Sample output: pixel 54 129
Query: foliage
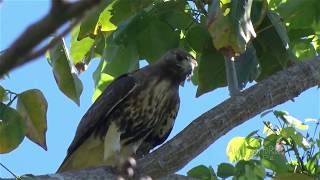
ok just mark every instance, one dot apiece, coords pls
pixel 28 119
pixel 285 151
pixel 264 35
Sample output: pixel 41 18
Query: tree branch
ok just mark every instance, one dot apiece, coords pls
pixel 210 126
pixel 213 124
pixel 98 174
pixel 61 12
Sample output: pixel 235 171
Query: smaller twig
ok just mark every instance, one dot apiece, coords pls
pixel 12 100
pixel 11 92
pixel 296 153
pixel 15 176
pixel 54 41
pixel 200 7
pixel 314 135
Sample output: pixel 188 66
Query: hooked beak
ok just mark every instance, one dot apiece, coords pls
pixel 193 65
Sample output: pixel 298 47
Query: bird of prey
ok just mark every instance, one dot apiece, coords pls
pixel 136 112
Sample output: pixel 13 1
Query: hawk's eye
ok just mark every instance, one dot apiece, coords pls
pixel 179 57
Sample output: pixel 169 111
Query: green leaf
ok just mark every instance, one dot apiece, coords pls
pixel 202 172
pixel 64 72
pixel 280 114
pixel 220 27
pixel 313 164
pixel 211 73
pixel 80 48
pixel 157 39
pixel 272 46
pixel 130 29
pixel 89 23
pixel 247 67
pixel 241 148
pixel 116 60
pixel 225 170
pixel 198 38
pixel 258 12
pixel 3 94
pixel 304 49
pixel 294 176
pixel 121 59
pixel 291 134
pixel 231 30
pixel 104 81
pixel 178 19
pixel 33 106
pixel 123 9
pixel 251 169
pixel 12 129
pixel 271 159
pixel 299 14
pixel 104 24
pixel 270 141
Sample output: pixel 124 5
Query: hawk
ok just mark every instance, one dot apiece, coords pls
pixel 135 113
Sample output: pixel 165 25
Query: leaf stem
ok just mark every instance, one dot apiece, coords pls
pixel 15 176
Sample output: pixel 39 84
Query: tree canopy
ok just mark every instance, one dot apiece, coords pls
pixel 260 37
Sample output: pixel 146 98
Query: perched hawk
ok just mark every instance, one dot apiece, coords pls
pixel 136 112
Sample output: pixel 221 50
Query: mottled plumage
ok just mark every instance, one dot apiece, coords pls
pixel 136 112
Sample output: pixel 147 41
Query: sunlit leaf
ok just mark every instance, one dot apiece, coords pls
pixel 104 23
pixel 104 81
pixel 12 129
pixel 240 148
pixel 89 23
pixel 268 128
pixel 33 106
pixel 116 60
pixel 64 72
pixel 294 122
pixel 80 48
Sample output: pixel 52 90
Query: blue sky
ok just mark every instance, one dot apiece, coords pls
pixel 63 115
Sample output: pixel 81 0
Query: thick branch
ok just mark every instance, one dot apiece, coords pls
pixel 97 174
pixel 60 13
pixel 210 126
pixel 213 124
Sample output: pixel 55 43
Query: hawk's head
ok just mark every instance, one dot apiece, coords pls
pixel 179 63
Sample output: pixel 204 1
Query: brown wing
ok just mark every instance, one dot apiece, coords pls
pixel 114 94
